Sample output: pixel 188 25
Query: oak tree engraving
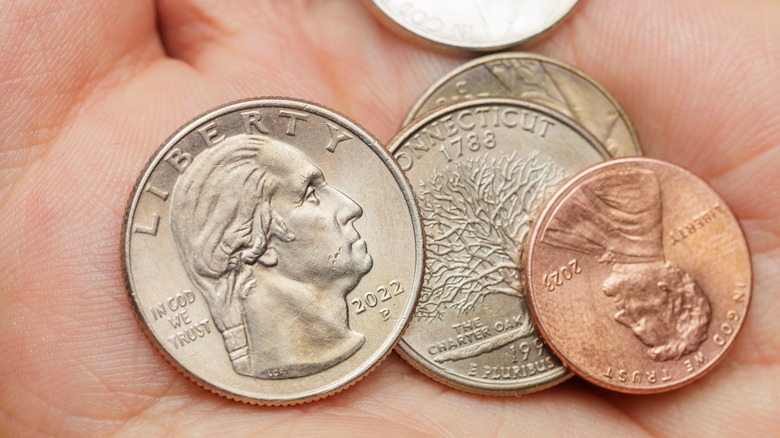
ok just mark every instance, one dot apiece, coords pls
pixel 477 214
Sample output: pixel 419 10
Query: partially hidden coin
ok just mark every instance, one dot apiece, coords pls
pixel 542 80
pixel 273 251
pixel 481 171
pixel 472 25
pixel 639 275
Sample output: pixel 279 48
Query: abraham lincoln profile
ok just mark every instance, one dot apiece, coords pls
pixel 274 251
pixel 616 216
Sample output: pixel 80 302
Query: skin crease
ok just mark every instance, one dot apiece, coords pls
pixel 92 88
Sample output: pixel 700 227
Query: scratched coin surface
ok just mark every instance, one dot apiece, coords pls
pixel 273 251
pixel 474 25
pixel 541 80
pixel 639 276
pixel 481 170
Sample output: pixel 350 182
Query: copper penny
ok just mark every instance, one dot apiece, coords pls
pixel 481 170
pixel 542 80
pixel 639 275
pixel 273 251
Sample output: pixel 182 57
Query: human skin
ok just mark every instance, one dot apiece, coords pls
pixel 91 88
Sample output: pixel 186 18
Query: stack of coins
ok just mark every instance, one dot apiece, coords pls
pixel 511 236
pixel 619 287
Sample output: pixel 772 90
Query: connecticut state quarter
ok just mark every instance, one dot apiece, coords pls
pixel 481 171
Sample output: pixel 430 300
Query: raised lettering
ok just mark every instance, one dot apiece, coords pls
pixel 433 135
pixel 210 133
pixel 337 135
pixel 294 117
pixel 415 144
pixel 405 162
pixel 253 120
pixel 178 160
pixel 150 230
pixel 482 118
pixel 450 125
pixel 530 127
pixel 545 125
pixel 156 192
pixel 651 376
pixel 158 311
pixel 465 125
pixel 505 117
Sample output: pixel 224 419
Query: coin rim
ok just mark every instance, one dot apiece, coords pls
pixel 551 205
pixel 403 349
pixel 390 163
pixel 481 61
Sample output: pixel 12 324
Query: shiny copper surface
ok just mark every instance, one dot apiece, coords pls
pixel 639 275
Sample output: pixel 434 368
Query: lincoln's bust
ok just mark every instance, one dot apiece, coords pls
pixel 617 216
pixel 274 251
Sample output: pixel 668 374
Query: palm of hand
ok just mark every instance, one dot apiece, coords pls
pixel 92 89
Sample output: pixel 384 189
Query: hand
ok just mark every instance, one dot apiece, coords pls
pixel 91 89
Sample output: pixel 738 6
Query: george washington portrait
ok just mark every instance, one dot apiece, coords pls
pixel 274 251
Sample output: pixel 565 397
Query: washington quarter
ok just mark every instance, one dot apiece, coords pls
pixel 273 251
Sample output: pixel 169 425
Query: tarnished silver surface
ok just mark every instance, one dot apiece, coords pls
pixel 273 251
pixel 479 25
pixel 538 79
pixel 481 169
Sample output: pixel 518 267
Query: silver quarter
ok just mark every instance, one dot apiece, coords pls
pixel 273 251
pixel 475 25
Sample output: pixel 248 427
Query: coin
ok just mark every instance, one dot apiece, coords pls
pixel 639 276
pixel 541 80
pixel 273 251
pixel 481 170
pixel 476 25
